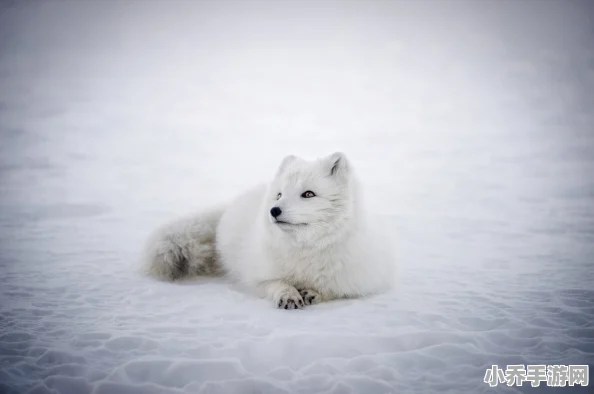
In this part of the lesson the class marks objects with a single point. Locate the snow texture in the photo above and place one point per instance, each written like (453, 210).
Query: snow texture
(471, 125)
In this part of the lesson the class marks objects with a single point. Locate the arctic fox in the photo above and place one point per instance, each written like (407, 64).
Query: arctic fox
(300, 240)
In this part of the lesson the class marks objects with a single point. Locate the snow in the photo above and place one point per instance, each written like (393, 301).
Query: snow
(470, 124)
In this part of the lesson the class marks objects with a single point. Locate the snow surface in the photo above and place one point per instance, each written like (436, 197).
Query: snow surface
(470, 123)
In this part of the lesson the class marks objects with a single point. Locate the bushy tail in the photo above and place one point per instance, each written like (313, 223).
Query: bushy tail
(184, 248)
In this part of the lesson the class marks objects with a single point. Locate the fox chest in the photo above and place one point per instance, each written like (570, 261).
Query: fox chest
(319, 272)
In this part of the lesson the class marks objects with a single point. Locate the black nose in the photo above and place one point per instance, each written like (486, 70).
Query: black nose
(276, 211)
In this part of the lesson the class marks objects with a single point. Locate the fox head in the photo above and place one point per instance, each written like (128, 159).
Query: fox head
(311, 199)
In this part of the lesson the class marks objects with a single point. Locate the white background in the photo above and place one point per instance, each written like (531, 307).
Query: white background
(471, 125)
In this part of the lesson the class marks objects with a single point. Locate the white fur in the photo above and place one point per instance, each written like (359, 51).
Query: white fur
(325, 250)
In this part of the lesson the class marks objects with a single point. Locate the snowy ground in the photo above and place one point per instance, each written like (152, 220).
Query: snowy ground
(471, 124)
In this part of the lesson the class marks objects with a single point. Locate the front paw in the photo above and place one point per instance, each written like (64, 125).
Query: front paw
(310, 297)
(290, 300)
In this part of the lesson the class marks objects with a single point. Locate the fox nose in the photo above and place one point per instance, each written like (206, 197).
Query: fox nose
(276, 211)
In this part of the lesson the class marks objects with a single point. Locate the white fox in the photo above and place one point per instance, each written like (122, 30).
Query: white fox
(300, 240)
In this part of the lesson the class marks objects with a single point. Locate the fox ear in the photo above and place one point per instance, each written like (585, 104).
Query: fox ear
(338, 164)
(288, 159)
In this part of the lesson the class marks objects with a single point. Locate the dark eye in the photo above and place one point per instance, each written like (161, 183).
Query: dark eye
(278, 196)
(308, 194)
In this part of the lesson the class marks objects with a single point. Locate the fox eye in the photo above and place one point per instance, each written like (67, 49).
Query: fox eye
(278, 196)
(308, 194)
